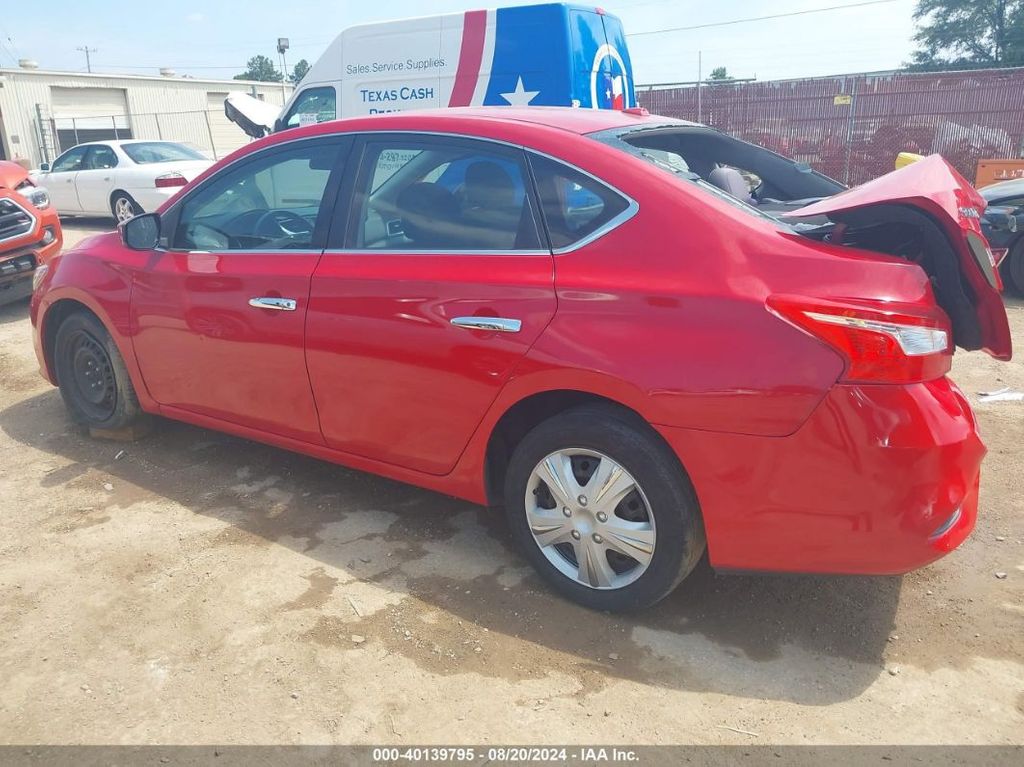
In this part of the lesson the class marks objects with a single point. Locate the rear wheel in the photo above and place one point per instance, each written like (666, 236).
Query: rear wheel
(124, 207)
(603, 510)
(92, 376)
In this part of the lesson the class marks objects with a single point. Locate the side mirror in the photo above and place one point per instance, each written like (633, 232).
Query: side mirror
(141, 232)
(44, 167)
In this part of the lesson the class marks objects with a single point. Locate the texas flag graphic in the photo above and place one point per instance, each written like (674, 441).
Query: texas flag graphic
(540, 55)
(612, 94)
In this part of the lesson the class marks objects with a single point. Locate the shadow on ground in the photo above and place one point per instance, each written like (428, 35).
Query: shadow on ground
(811, 640)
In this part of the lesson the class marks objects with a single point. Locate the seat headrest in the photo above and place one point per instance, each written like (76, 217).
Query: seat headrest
(730, 180)
(428, 213)
(488, 185)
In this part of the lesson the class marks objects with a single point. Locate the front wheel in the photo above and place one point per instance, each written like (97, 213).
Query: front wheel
(1013, 269)
(603, 509)
(92, 376)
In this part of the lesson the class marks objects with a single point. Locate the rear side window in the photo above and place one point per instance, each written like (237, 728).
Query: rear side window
(1010, 202)
(448, 195)
(100, 157)
(576, 206)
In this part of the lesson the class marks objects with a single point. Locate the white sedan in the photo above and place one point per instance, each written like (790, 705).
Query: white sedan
(119, 178)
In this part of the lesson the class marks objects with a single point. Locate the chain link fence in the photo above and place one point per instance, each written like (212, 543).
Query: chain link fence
(852, 127)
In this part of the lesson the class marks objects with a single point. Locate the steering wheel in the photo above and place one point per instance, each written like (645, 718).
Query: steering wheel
(281, 218)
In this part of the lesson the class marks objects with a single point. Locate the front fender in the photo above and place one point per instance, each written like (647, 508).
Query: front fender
(107, 295)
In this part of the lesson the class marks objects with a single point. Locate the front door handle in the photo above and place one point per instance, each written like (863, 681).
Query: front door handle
(272, 302)
(492, 324)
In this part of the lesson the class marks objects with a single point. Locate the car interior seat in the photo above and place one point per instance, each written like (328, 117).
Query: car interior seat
(429, 215)
(731, 181)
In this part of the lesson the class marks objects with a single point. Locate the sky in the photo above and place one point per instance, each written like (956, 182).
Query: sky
(214, 39)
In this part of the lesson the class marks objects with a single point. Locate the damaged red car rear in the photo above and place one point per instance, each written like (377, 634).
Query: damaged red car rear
(642, 338)
(30, 233)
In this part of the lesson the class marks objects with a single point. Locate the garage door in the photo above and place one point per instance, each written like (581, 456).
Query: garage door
(226, 136)
(89, 114)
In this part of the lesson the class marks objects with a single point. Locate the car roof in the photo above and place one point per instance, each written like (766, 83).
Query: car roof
(570, 119)
(125, 141)
(1011, 188)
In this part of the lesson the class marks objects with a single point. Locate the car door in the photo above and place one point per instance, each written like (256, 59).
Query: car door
(94, 183)
(220, 311)
(435, 285)
(60, 180)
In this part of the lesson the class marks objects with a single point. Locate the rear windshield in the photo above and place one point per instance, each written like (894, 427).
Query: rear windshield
(675, 164)
(749, 177)
(147, 152)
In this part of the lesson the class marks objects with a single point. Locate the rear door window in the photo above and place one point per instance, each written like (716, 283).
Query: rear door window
(577, 208)
(100, 158)
(449, 195)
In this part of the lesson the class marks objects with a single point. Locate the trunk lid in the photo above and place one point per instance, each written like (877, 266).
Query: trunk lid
(253, 116)
(928, 213)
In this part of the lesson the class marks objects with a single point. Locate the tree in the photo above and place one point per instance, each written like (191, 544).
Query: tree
(969, 34)
(260, 68)
(299, 71)
(720, 75)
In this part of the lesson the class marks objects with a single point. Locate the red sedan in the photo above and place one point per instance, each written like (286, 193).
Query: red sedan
(604, 322)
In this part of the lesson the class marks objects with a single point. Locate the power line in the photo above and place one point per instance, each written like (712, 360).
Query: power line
(759, 18)
(87, 50)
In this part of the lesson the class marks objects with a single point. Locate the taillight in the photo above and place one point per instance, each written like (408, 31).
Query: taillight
(881, 342)
(170, 179)
(999, 255)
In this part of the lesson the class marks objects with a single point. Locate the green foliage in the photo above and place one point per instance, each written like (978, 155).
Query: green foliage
(969, 34)
(720, 74)
(260, 68)
(299, 71)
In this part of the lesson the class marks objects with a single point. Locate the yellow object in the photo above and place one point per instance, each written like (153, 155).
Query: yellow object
(903, 159)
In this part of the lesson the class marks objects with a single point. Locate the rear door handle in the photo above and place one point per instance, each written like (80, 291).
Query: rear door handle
(272, 302)
(493, 324)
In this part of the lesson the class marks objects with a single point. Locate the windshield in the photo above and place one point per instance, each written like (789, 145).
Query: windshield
(147, 152)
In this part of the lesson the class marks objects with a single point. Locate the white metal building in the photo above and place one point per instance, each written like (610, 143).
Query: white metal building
(43, 113)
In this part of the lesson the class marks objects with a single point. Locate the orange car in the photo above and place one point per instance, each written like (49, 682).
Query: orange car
(30, 233)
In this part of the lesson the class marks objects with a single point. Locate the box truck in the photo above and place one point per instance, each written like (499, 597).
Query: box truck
(555, 54)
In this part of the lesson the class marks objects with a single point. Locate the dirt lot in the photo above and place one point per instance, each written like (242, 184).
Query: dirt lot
(197, 588)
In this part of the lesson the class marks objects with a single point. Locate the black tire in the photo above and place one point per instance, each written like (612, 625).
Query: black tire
(1013, 268)
(637, 448)
(92, 376)
(120, 203)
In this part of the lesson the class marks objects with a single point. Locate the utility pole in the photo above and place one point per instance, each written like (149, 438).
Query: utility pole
(700, 86)
(282, 46)
(88, 62)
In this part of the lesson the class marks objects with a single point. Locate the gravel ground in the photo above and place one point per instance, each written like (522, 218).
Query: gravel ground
(195, 588)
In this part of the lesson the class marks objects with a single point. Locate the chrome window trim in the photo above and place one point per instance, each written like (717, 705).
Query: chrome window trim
(28, 213)
(631, 210)
(613, 223)
(410, 252)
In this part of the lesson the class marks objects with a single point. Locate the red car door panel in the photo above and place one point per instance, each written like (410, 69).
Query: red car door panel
(203, 348)
(393, 378)
(431, 230)
(220, 316)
